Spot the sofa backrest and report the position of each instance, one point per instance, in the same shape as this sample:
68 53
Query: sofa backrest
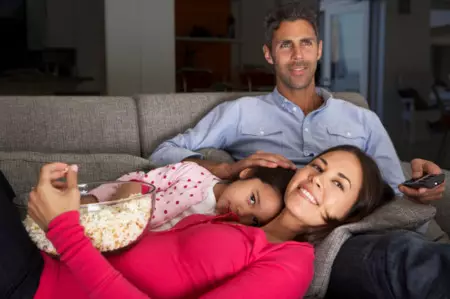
162 116
69 124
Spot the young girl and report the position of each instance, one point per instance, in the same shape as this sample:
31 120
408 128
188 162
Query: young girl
186 188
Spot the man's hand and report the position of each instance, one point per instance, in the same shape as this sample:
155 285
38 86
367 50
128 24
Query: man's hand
420 168
228 171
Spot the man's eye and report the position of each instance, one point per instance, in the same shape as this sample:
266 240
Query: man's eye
307 43
285 45
252 199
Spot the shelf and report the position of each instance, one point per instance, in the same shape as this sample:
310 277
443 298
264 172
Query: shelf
208 39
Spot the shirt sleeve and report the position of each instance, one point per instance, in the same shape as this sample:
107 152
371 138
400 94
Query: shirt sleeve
217 129
180 186
98 278
284 273
379 146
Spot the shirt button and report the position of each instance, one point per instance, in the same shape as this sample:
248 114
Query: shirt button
295 109
261 132
349 134
306 130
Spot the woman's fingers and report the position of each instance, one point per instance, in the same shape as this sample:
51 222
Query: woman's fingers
72 177
51 172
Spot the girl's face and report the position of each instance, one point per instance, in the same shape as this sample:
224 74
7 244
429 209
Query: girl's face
326 188
255 202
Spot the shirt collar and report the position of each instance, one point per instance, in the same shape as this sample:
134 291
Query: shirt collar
289 106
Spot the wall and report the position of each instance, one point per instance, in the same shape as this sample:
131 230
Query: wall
90 44
407 55
253 30
140 46
75 24
439 17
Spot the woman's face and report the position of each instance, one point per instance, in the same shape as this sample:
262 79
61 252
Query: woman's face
326 188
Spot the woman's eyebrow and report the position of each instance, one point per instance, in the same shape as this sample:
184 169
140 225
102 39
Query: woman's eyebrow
345 178
323 161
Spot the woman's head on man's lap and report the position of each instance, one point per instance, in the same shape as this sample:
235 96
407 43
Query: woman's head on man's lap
341 185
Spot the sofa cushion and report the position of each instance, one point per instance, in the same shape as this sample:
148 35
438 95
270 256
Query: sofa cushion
69 124
162 116
22 168
401 213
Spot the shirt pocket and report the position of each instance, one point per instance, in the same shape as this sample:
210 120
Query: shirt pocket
260 138
346 134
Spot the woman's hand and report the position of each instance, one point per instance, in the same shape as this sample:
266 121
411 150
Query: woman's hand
49 200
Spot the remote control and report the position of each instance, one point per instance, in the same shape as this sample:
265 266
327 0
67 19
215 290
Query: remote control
428 181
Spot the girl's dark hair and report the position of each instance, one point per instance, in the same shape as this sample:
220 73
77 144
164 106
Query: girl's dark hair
374 193
278 178
289 13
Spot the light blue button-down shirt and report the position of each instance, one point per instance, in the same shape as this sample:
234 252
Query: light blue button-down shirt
274 124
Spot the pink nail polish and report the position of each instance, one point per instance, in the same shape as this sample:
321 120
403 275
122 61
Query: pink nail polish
74 168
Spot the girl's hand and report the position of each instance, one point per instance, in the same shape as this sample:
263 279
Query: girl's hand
48 200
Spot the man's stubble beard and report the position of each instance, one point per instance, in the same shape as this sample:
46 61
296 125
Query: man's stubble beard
286 78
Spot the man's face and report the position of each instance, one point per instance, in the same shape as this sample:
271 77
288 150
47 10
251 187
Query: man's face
295 52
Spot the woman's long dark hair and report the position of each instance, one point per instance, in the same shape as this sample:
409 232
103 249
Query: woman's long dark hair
374 193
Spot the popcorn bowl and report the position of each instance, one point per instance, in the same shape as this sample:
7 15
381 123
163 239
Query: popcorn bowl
114 214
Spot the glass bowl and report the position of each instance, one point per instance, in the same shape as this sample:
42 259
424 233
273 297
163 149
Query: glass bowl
114 214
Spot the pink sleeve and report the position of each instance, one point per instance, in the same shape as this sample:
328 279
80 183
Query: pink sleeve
285 273
182 186
92 271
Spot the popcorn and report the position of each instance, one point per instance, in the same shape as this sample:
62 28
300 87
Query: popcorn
110 226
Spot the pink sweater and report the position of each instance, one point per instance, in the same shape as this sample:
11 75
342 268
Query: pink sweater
201 257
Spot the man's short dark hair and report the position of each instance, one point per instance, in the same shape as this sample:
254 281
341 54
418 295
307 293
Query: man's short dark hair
289 13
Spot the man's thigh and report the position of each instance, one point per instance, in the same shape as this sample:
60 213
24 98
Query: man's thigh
399 264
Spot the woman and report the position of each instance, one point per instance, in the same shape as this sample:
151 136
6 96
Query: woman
202 256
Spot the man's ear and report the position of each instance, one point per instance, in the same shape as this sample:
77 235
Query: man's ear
267 54
246 173
319 50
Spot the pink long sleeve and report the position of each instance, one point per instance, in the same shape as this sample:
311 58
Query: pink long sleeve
202 257
92 271
283 273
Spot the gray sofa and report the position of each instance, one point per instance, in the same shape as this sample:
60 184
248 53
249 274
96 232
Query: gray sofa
109 136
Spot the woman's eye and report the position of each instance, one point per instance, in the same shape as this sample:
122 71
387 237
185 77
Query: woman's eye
317 167
252 199
339 185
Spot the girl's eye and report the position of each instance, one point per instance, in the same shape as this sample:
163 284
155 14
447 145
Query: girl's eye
252 199
255 222
339 185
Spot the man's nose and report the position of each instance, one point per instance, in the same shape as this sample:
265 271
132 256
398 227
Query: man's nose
297 53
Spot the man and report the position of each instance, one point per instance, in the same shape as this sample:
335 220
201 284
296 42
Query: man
296 122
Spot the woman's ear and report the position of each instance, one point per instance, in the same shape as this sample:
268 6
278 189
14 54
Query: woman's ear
246 173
